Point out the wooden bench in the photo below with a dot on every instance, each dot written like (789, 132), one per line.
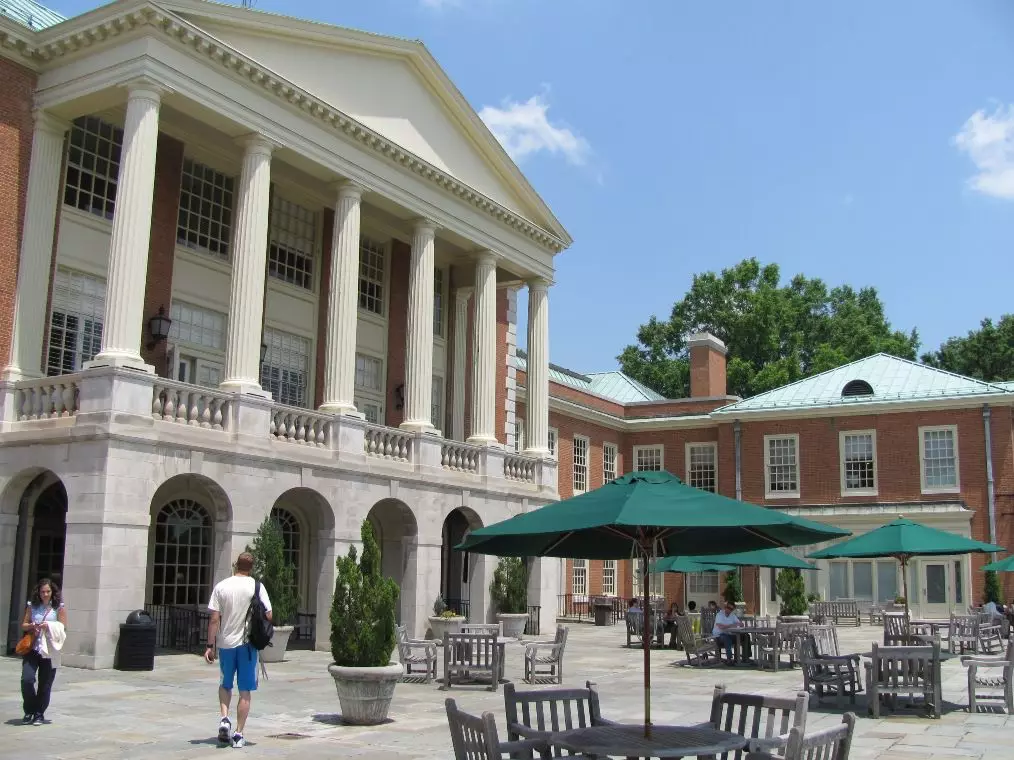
(911, 670)
(841, 609)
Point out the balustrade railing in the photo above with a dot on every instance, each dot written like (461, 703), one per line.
(387, 443)
(190, 405)
(300, 426)
(520, 468)
(460, 457)
(47, 398)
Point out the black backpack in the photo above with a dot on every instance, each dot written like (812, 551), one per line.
(259, 629)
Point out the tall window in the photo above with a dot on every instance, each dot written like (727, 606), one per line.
(781, 454)
(579, 577)
(370, 387)
(292, 243)
(286, 367)
(292, 542)
(205, 214)
(552, 442)
(580, 464)
(703, 584)
(75, 321)
(858, 451)
(609, 577)
(437, 403)
(197, 326)
(702, 466)
(371, 276)
(648, 458)
(938, 459)
(181, 563)
(519, 436)
(93, 166)
(655, 584)
(608, 462)
(438, 303)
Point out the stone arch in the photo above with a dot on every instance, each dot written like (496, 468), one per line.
(462, 575)
(33, 517)
(397, 531)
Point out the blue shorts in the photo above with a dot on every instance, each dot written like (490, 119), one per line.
(239, 664)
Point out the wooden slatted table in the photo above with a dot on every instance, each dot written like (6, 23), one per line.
(629, 741)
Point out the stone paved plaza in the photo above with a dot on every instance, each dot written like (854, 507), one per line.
(171, 712)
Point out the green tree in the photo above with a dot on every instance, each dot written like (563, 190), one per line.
(776, 333)
(792, 592)
(733, 587)
(991, 588)
(986, 353)
(509, 589)
(277, 574)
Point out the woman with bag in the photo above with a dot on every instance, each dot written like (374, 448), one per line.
(44, 623)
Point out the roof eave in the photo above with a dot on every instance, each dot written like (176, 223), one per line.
(873, 407)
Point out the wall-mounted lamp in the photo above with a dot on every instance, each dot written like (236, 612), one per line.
(399, 397)
(158, 327)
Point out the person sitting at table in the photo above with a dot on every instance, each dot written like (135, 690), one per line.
(725, 620)
(713, 606)
(691, 606)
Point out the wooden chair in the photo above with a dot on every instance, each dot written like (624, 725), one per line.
(469, 654)
(909, 670)
(832, 673)
(635, 628)
(708, 622)
(532, 712)
(1004, 682)
(476, 738)
(784, 641)
(989, 633)
(544, 659)
(696, 646)
(415, 652)
(829, 744)
(482, 628)
(764, 720)
(964, 634)
(826, 639)
(897, 631)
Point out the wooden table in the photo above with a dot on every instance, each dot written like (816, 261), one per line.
(624, 740)
(739, 638)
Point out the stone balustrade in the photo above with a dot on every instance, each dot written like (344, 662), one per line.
(47, 398)
(387, 443)
(520, 468)
(300, 426)
(190, 405)
(460, 457)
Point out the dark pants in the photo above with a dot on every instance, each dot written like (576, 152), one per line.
(727, 640)
(36, 701)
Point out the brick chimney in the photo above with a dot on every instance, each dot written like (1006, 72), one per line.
(707, 365)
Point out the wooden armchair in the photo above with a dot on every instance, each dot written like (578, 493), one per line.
(989, 631)
(544, 659)
(635, 627)
(910, 670)
(784, 641)
(829, 744)
(897, 631)
(826, 639)
(532, 713)
(476, 738)
(964, 633)
(766, 721)
(833, 673)
(468, 654)
(697, 646)
(416, 653)
(1002, 682)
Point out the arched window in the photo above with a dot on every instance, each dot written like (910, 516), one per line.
(181, 566)
(857, 388)
(292, 541)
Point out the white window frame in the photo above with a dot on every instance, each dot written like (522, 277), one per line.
(519, 436)
(768, 493)
(608, 474)
(704, 583)
(367, 395)
(222, 248)
(437, 402)
(579, 570)
(953, 430)
(649, 447)
(552, 441)
(579, 474)
(269, 332)
(656, 581)
(845, 491)
(688, 449)
(99, 164)
(71, 291)
(609, 572)
(288, 224)
(374, 245)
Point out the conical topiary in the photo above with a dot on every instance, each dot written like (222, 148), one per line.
(277, 574)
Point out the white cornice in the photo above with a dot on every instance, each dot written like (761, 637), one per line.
(897, 406)
(17, 43)
(611, 421)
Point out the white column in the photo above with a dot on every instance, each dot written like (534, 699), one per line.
(461, 296)
(343, 304)
(537, 403)
(128, 242)
(249, 257)
(36, 248)
(419, 339)
(484, 352)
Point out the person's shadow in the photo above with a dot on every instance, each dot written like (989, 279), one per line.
(214, 742)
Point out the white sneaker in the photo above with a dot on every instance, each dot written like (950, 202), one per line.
(224, 729)
(238, 740)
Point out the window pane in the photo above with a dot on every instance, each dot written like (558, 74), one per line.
(292, 243)
(702, 466)
(205, 216)
(887, 581)
(75, 321)
(608, 462)
(839, 580)
(648, 458)
(862, 580)
(580, 464)
(285, 368)
(438, 303)
(857, 455)
(939, 462)
(609, 577)
(93, 166)
(371, 276)
(196, 326)
(782, 464)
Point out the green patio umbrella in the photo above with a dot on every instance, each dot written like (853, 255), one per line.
(688, 565)
(758, 558)
(1005, 565)
(646, 515)
(903, 539)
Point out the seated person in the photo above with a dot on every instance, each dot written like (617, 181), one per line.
(691, 606)
(725, 620)
(713, 606)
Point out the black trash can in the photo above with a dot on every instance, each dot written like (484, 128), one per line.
(135, 649)
(603, 612)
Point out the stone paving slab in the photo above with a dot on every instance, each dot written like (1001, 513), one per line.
(172, 711)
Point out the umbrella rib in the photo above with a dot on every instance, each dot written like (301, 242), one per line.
(549, 549)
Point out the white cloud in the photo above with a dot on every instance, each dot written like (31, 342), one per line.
(438, 5)
(988, 139)
(524, 129)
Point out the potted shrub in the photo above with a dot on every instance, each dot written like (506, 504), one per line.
(733, 592)
(509, 593)
(792, 592)
(444, 620)
(363, 635)
(991, 587)
(279, 579)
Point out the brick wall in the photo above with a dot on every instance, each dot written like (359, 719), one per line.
(16, 127)
(397, 328)
(323, 302)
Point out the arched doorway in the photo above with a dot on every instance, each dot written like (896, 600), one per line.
(39, 543)
(457, 569)
(396, 530)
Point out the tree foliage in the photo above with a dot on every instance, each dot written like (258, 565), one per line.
(509, 588)
(991, 587)
(776, 333)
(792, 592)
(362, 611)
(277, 574)
(733, 587)
(986, 353)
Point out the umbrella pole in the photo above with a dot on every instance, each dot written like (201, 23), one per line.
(904, 585)
(646, 645)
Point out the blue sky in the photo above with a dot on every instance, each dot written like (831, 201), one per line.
(864, 142)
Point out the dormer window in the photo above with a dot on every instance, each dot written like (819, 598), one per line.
(857, 388)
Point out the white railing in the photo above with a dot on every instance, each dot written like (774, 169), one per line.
(47, 398)
(190, 405)
(387, 443)
(520, 468)
(300, 426)
(460, 457)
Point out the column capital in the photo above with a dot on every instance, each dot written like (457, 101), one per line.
(47, 122)
(424, 225)
(257, 144)
(538, 284)
(461, 295)
(346, 188)
(146, 88)
(486, 256)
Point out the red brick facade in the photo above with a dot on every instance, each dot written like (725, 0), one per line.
(397, 329)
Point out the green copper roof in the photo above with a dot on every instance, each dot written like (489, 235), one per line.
(1007, 385)
(614, 386)
(30, 14)
(891, 378)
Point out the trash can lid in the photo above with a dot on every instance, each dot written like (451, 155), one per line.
(140, 617)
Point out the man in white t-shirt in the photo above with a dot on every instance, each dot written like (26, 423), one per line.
(725, 619)
(230, 606)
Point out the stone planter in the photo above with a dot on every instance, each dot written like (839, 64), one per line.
(279, 643)
(513, 623)
(441, 626)
(365, 694)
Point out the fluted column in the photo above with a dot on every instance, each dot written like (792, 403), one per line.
(36, 255)
(128, 242)
(483, 415)
(461, 296)
(249, 258)
(537, 404)
(343, 304)
(419, 340)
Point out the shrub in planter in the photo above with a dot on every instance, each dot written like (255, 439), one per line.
(363, 634)
(991, 587)
(509, 593)
(444, 620)
(733, 587)
(279, 578)
(792, 592)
